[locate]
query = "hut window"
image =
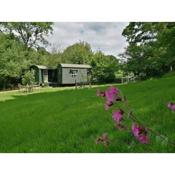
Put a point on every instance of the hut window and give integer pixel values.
(73, 72)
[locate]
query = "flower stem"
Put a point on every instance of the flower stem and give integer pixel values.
(133, 118)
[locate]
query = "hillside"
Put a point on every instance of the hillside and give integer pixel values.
(70, 120)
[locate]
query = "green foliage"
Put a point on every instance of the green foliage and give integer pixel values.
(12, 59)
(104, 68)
(17, 53)
(32, 34)
(151, 48)
(28, 78)
(78, 53)
(52, 59)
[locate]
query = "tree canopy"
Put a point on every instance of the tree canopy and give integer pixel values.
(12, 58)
(150, 51)
(104, 67)
(32, 34)
(78, 53)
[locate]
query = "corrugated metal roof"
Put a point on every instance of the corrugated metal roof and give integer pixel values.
(75, 65)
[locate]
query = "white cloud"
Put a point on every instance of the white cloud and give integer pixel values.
(104, 36)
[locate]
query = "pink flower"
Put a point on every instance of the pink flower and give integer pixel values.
(113, 90)
(140, 133)
(136, 130)
(111, 95)
(143, 139)
(118, 116)
(171, 106)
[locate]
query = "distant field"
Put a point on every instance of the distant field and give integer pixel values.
(69, 120)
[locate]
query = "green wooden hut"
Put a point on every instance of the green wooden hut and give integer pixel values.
(73, 73)
(44, 74)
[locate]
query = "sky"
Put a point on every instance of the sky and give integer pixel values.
(104, 36)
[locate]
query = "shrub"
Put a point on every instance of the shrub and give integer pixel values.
(28, 78)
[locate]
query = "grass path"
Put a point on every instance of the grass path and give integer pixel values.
(7, 95)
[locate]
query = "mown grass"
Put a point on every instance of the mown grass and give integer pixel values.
(70, 120)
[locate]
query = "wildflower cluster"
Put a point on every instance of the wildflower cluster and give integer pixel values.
(140, 133)
(112, 95)
(171, 106)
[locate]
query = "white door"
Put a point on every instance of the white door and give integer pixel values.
(45, 76)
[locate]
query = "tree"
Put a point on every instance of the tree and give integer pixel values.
(32, 34)
(78, 53)
(52, 60)
(150, 51)
(104, 67)
(166, 41)
(12, 59)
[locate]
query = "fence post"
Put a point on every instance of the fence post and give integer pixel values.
(75, 84)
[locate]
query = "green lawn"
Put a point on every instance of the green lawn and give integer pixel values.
(55, 120)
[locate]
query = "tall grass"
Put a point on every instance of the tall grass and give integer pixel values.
(70, 120)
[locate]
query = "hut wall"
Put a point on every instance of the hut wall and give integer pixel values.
(72, 75)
